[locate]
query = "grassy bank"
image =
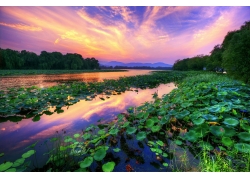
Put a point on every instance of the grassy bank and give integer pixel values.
(207, 117)
(37, 72)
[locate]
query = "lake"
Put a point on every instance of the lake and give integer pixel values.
(15, 137)
(47, 80)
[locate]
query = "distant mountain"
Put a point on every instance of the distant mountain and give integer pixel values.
(116, 63)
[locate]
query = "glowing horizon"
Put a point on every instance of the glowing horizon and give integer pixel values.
(125, 34)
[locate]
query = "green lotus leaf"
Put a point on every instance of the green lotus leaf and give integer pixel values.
(195, 115)
(214, 109)
(141, 135)
(11, 170)
(101, 132)
(68, 139)
(113, 131)
(191, 136)
(108, 167)
(172, 112)
(217, 130)
(201, 130)
(117, 150)
(245, 136)
(206, 146)
(164, 120)
(242, 147)
(198, 121)
(100, 154)
(153, 149)
(210, 117)
(125, 124)
(159, 142)
(18, 162)
(86, 136)
(245, 127)
(178, 142)
(231, 121)
(182, 114)
(76, 135)
(1, 154)
(156, 128)
(5, 166)
(222, 93)
(149, 123)
(165, 164)
(28, 154)
(229, 131)
(131, 130)
(164, 154)
(227, 141)
(86, 162)
(156, 150)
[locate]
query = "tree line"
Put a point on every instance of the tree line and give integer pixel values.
(232, 56)
(12, 59)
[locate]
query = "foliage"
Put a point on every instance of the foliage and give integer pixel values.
(11, 59)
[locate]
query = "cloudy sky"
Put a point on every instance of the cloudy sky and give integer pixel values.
(121, 33)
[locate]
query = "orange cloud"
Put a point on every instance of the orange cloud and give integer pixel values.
(22, 27)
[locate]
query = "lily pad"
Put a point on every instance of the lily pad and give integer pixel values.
(217, 130)
(125, 124)
(182, 114)
(76, 135)
(156, 128)
(86, 136)
(113, 131)
(108, 167)
(100, 154)
(242, 147)
(214, 109)
(210, 117)
(227, 141)
(191, 136)
(141, 135)
(131, 130)
(86, 162)
(101, 132)
(198, 121)
(11, 170)
(149, 123)
(178, 142)
(28, 154)
(5, 166)
(245, 136)
(159, 142)
(18, 162)
(117, 150)
(229, 131)
(231, 121)
(165, 164)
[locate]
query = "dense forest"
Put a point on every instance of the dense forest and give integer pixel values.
(232, 56)
(11, 59)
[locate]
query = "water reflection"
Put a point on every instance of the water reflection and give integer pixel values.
(17, 136)
(44, 80)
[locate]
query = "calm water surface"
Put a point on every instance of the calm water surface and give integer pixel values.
(44, 80)
(14, 137)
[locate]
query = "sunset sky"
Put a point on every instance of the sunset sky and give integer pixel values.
(121, 33)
